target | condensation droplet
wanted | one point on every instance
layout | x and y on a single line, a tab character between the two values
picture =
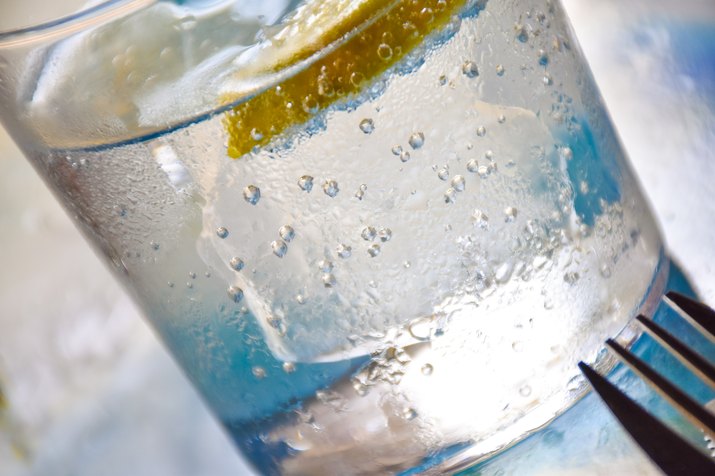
306	183
222	232
373	250
517	346
427	369
500	70
520	33
543	57
480	219
287	233
481	131
396	150
361	191
325	266
510	214
367	126
409	413
473	165
368	233
503	273
458	183
235	293
288	367
279	247
252	194
547	79
417	140
443	173
236	263
259	372
404	156
525	391
501	119
154	245
469	69
385	234
605	271
450	195
328	280
330	187
344	251
300	298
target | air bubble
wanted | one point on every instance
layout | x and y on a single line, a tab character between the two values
235	293
384	52
256	135
222	232
236	263
259	372
427	369
287	233
252	194
344	251
279	247
368	233
458	183
417	140
306	183
373	250
367	126
470	70
525	391
330	187
288	367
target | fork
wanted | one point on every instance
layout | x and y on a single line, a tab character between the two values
666	448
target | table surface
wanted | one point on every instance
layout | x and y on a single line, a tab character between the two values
93	393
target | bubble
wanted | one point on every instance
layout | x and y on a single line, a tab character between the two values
235	293
397	150
384	52
409	413
367	126
427	369
525	391
404	156
373	250
469	69
256	135
361	191
222	232
288	367
450	195
543	57
473	165
458	183
330	187
510	214
368	233
306	183
279	247
259	372
501	119
252	194
286	232
500	70
481	131
385	234
520	33
480	219
417	140
443	173
344	251
325	266
236	263
328	280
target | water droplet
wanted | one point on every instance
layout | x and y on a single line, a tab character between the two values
481	131
360	388
236	263
404	156
325	266
367	126
235	293
470	70
259	372
484	171
510	214
409	413
489	154
328	280
373	250
480	219
256	134
300	298
427	369
192	275
306	183
473	165
288	367
330	187
385	234
517	346
417	140
252	194
407	264
503	273
344	251
279	247
566	153
189	285
170	284
154	245
571	277
361	191
384	52
547	80
443	173
458	183
287	233
368	233
500	70
605	271
397	150
450	195
543	57
525	391
222	232
501	119
520	32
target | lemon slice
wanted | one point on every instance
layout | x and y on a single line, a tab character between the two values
355	40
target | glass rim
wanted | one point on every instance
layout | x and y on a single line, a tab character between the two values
74	21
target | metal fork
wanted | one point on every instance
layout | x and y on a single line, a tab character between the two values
666	448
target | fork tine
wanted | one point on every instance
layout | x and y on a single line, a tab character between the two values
691	409
691	359
672	454
700	316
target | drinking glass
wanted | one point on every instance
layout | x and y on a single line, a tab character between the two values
377	236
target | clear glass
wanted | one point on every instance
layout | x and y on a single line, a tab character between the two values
377	236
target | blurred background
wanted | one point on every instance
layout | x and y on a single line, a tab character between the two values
85	387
